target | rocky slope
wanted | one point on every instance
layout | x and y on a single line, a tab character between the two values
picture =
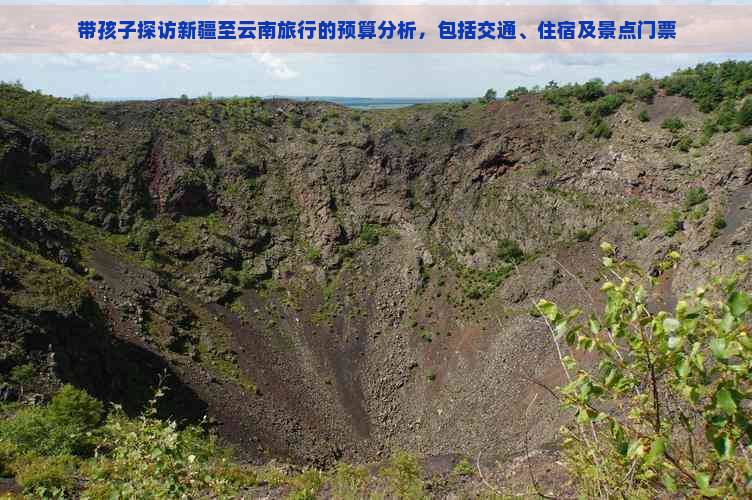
329	283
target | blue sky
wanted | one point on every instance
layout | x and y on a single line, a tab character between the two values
352	75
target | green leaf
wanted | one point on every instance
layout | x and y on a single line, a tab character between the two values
573	314
675	343
738	303
561	328
720	348
549	310
669	483
571	335
724	401
636	449
671	324
683	368
569	362
728	322
746	342
611	377
657	449
583	416
640	295
595	327
702	480
724	445
681	307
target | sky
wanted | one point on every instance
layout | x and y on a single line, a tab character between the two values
347	75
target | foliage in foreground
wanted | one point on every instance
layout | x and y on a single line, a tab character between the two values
666	410
51	449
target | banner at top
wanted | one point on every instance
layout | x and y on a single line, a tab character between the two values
374	29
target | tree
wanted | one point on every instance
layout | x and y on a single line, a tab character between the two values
663	411
22	375
590	91
514	94
490	95
644	90
744	116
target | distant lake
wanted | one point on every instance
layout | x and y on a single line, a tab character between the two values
378	102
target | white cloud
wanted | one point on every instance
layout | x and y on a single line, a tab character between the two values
276	66
154	62
130	63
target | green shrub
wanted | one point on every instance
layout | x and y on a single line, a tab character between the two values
306	485
304	494
464	468
709	128
743	139
644	90
643	116
599	129
61	428
404	474
47	477
590	91
744	116
514	94
71	406
640	233
584	235
557	96
565	115
727	116
695	196
509	251
673	124
32	430
609	104
264	117
663	410
349	481
152	458
313	254
699	212
673	224
52	118
709	84
370	234
684	144
8	454
22	375
295	120
143	236
719	222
